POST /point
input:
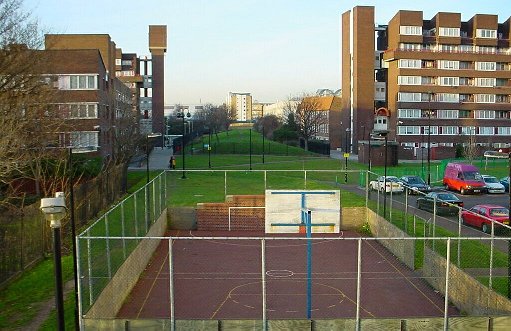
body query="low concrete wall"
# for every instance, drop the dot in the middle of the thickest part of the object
(353, 218)
(113, 295)
(404, 250)
(465, 291)
(183, 218)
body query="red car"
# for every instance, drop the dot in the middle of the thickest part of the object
(480, 215)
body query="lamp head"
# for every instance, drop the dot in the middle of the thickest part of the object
(54, 209)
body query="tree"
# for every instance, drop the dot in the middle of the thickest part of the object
(267, 124)
(307, 115)
(28, 119)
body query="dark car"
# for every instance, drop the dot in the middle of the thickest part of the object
(446, 203)
(505, 181)
(415, 184)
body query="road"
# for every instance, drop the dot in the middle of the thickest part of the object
(447, 222)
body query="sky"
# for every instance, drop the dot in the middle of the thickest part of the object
(273, 49)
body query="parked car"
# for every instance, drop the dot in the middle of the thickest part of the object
(493, 185)
(446, 203)
(505, 181)
(392, 184)
(481, 216)
(496, 154)
(464, 178)
(415, 184)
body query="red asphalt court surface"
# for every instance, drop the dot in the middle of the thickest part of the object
(221, 279)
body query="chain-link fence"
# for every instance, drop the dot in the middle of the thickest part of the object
(417, 248)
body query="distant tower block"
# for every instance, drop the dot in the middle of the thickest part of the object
(158, 47)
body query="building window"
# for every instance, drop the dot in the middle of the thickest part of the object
(409, 80)
(484, 98)
(126, 62)
(466, 81)
(501, 66)
(449, 130)
(405, 63)
(409, 113)
(502, 114)
(118, 62)
(408, 130)
(448, 48)
(447, 113)
(484, 114)
(486, 33)
(485, 82)
(466, 48)
(409, 97)
(78, 82)
(449, 65)
(434, 129)
(465, 65)
(504, 131)
(486, 131)
(410, 30)
(410, 47)
(447, 97)
(77, 110)
(464, 114)
(84, 139)
(428, 80)
(502, 98)
(486, 66)
(449, 32)
(486, 49)
(449, 81)
(468, 130)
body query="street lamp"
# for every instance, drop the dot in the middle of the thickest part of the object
(346, 155)
(250, 148)
(54, 210)
(263, 142)
(150, 135)
(182, 115)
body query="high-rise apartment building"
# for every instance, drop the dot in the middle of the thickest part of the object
(241, 105)
(443, 80)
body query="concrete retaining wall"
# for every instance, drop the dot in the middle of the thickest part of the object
(113, 295)
(404, 250)
(353, 218)
(465, 292)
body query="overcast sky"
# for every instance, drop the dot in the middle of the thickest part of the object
(271, 48)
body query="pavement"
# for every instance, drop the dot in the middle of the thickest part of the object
(158, 160)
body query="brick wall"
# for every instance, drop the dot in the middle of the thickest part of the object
(215, 216)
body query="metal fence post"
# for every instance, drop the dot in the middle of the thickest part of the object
(146, 209)
(305, 178)
(265, 179)
(108, 262)
(378, 201)
(154, 201)
(79, 283)
(359, 272)
(492, 244)
(122, 231)
(446, 299)
(135, 212)
(390, 206)
(367, 194)
(171, 288)
(458, 258)
(434, 221)
(225, 185)
(406, 210)
(263, 280)
(89, 267)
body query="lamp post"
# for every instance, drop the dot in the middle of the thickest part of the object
(54, 210)
(73, 234)
(182, 115)
(209, 148)
(346, 155)
(263, 143)
(250, 148)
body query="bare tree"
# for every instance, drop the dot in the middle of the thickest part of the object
(470, 148)
(28, 120)
(308, 116)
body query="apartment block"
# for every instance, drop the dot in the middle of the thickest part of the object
(241, 105)
(444, 81)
